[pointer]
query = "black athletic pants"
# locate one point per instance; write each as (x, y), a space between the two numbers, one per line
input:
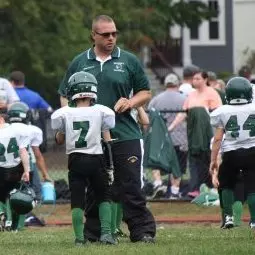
(127, 156)
(9, 179)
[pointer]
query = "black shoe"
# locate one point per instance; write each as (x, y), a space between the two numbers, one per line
(147, 239)
(8, 225)
(78, 242)
(228, 222)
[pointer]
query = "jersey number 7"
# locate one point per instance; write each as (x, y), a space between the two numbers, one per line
(232, 125)
(84, 127)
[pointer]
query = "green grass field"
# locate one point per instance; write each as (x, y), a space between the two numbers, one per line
(173, 239)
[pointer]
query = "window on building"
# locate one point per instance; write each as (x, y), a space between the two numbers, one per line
(214, 21)
(210, 32)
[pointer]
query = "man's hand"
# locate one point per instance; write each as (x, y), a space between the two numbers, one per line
(122, 105)
(110, 176)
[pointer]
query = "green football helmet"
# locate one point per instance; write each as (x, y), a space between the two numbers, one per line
(82, 85)
(22, 200)
(238, 91)
(18, 112)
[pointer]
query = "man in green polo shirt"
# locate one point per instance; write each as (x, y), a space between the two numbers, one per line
(122, 86)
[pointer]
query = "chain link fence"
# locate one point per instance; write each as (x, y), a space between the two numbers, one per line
(56, 158)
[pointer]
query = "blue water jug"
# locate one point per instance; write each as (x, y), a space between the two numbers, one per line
(48, 193)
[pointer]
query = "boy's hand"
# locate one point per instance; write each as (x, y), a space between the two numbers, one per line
(215, 180)
(25, 176)
(213, 167)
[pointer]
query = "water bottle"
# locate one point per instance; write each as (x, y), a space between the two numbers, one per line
(48, 193)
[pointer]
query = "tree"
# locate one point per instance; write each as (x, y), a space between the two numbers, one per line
(41, 37)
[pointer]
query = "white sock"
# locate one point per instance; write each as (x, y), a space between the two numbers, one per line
(175, 190)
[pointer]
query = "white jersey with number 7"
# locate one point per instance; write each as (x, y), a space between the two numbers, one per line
(83, 127)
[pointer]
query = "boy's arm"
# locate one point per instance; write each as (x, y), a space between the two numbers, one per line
(41, 163)
(143, 118)
(219, 133)
(25, 162)
(108, 156)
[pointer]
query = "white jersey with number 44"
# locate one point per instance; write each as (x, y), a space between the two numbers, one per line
(11, 140)
(238, 122)
(83, 127)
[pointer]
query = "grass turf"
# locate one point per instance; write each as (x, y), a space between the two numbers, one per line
(174, 239)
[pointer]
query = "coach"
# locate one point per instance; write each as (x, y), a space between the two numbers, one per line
(122, 86)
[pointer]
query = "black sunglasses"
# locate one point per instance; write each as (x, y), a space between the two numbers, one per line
(108, 34)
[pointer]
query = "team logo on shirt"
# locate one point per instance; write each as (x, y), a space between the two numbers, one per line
(118, 67)
(132, 159)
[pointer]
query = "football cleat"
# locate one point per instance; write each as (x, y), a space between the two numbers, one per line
(228, 222)
(8, 225)
(252, 225)
(147, 239)
(107, 239)
(78, 242)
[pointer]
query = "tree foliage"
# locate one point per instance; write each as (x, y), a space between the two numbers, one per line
(41, 37)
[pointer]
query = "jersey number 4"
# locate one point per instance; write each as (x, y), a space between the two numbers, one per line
(83, 126)
(233, 127)
(11, 148)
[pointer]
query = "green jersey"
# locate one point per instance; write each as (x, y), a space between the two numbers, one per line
(120, 75)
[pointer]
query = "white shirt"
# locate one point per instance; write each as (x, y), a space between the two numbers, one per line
(186, 88)
(83, 127)
(11, 140)
(7, 92)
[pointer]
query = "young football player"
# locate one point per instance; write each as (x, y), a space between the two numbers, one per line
(236, 121)
(239, 194)
(81, 125)
(14, 166)
(18, 116)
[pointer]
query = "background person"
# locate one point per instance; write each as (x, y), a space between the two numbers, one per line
(7, 94)
(198, 104)
(172, 100)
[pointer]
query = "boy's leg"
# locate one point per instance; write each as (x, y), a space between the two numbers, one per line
(105, 217)
(119, 216)
(102, 189)
(228, 172)
(239, 200)
(249, 179)
(8, 222)
(77, 185)
(114, 218)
